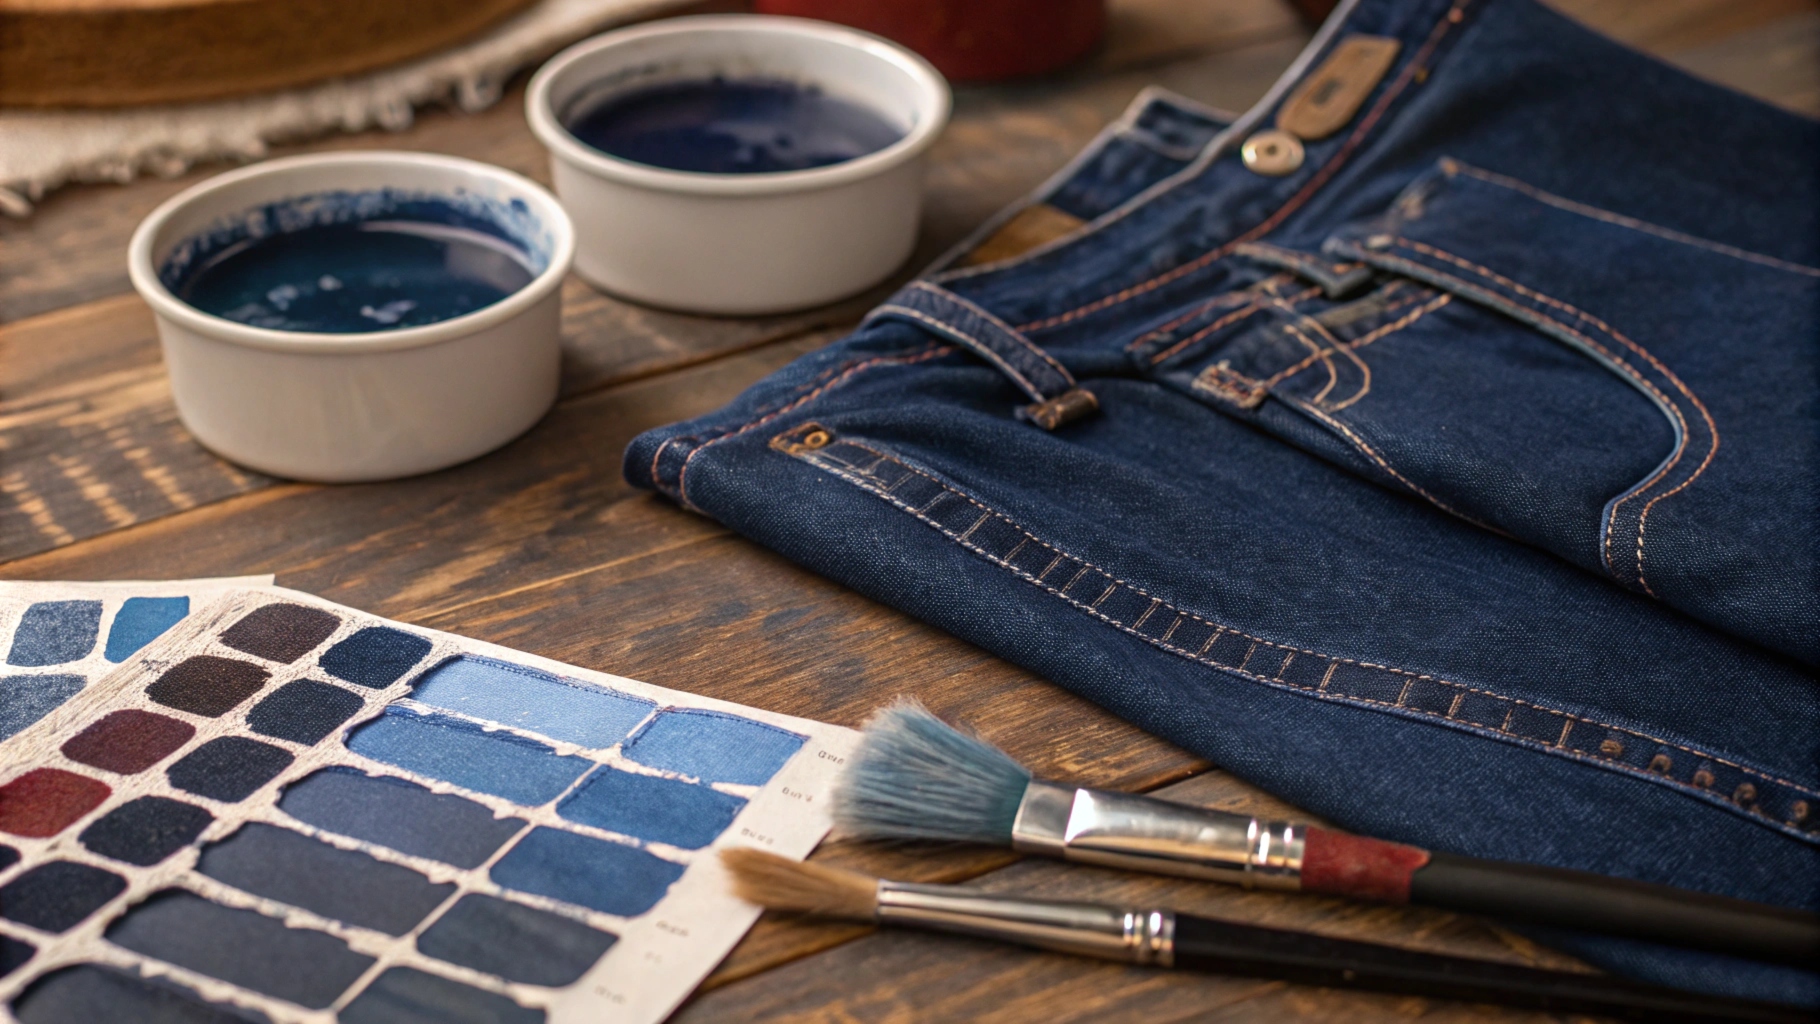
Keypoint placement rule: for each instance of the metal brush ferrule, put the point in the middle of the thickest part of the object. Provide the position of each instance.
(1133, 936)
(1143, 833)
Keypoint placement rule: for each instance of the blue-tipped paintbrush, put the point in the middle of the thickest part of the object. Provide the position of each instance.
(916, 777)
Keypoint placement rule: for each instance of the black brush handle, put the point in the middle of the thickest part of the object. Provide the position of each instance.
(1223, 947)
(1360, 867)
(1618, 906)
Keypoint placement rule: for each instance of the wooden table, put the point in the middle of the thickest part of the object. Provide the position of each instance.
(543, 547)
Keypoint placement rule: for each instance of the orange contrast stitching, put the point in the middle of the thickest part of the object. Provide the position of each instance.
(682, 475)
(815, 457)
(1332, 167)
(1585, 317)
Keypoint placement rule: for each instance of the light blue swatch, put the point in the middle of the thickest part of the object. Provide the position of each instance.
(525, 698)
(25, 699)
(652, 808)
(521, 770)
(713, 746)
(55, 633)
(609, 877)
(140, 621)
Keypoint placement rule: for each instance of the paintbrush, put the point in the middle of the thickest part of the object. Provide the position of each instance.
(915, 777)
(1163, 938)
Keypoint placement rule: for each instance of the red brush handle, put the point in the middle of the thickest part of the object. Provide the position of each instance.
(1339, 864)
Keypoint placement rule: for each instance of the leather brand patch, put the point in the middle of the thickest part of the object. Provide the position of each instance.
(1327, 99)
(1031, 227)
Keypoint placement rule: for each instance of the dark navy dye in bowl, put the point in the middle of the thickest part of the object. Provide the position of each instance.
(359, 262)
(723, 126)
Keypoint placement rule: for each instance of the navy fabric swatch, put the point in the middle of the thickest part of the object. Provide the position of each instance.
(608, 877)
(228, 768)
(25, 699)
(87, 993)
(400, 815)
(501, 763)
(713, 746)
(55, 633)
(8, 857)
(146, 830)
(309, 968)
(303, 711)
(141, 620)
(403, 995)
(280, 632)
(524, 698)
(514, 942)
(13, 954)
(376, 656)
(57, 896)
(345, 885)
(651, 808)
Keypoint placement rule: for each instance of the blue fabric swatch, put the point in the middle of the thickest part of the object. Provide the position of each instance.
(609, 877)
(521, 770)
(398, 814)
(344, 885)
(25, 699)
(713, 746)
(652, 808)
(376, 656)
(514, 942)
(141, 620)
(55, 633)
(525, 698)
(405, 995)
(13, 953)
(86, 993)
(309, 968)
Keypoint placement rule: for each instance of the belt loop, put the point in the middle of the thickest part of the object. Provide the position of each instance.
(1057, 398)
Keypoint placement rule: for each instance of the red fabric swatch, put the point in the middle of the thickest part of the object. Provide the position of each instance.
(45, 801)
(128, 741)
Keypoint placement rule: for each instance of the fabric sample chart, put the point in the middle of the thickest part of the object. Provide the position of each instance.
(280, 809)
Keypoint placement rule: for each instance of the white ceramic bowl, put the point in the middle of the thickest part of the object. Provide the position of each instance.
(373, 405)
(740, 243)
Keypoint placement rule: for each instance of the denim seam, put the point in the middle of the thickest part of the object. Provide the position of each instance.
(1253, 306)
(1452, 166)
(1377, 333)
(1663, 400)
(863, 477)
(845, 374)
(945, 295)
(1454, 16)
(975, 345)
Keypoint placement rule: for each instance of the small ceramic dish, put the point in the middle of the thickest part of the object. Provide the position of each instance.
(371, 404)
(740, 243)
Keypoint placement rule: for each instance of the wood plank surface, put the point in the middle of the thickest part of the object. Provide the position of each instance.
(542, 546)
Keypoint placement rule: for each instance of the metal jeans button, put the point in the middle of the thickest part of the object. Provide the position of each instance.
(1272, 152)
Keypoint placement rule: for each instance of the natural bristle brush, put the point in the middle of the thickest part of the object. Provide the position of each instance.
(916, 777)
(1162, 938)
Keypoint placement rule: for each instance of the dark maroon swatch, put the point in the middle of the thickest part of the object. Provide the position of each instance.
(146, 830)
(280, 632)
(128, 741)
(45, 801)
(206, 685)
(55, 897)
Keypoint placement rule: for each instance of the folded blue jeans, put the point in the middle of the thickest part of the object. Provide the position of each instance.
(1450, 467)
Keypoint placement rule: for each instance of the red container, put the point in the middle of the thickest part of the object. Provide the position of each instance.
(970, 40)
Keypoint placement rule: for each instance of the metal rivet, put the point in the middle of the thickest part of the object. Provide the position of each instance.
(1273, 153)
(1703, 779)
(1745, 793)
(1611, 748)
(816, 439)
(1797, 811)
(1661, 764)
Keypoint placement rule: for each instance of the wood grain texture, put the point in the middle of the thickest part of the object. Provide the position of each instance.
(542, 546)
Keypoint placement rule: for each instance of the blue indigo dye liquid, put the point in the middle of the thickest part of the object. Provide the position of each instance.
(721, 126)
(352, 278)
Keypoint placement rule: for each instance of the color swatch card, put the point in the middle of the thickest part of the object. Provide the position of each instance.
(287, 810)
(58, 637)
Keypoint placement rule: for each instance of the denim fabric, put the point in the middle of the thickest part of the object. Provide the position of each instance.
(1557, 299)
